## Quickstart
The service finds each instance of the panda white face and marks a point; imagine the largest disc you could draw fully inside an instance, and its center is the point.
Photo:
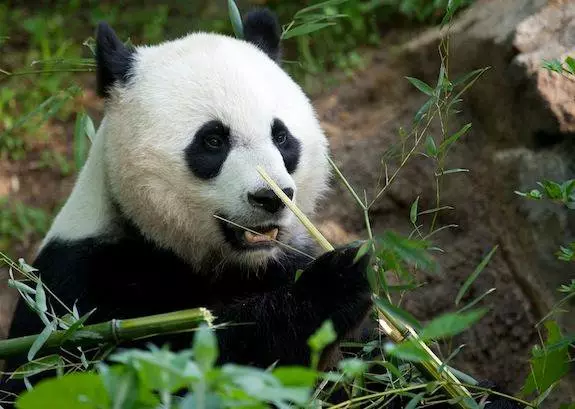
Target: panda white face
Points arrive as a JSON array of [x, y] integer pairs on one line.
[[183, 137]]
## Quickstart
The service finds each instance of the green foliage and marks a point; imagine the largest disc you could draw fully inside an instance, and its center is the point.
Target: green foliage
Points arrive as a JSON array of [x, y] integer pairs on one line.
[[20, 223], [146, 379], [548, 365], [566, 67]]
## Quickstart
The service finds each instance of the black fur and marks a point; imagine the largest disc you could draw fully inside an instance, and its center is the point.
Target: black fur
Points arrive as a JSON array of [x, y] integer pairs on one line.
[[131, 277], [262, 28], [290, 148], [206, 161], [114, 60]]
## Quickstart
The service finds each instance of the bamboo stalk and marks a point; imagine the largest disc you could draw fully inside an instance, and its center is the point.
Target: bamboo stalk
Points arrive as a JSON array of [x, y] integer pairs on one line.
[[396, 330], [113, 331]]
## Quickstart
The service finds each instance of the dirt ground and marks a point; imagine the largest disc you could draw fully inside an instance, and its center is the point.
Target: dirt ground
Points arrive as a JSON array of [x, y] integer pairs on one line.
[[362, 118]]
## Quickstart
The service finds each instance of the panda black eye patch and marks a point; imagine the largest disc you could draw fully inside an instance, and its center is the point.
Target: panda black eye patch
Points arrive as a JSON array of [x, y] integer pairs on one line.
[[209, 149], [287, 144]]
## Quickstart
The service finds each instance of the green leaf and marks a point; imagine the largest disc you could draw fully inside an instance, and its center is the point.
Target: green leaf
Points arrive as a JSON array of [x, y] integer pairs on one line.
[[475, 301], [40, 341], [295, 376], [353, 367], [471, 279], [410, 251], [76, 325], [547, 366], [397, 312], [37, 366], [73, 391], [298, 274], [553, 65], [450, 171], [19, 285], [363, 250], [40, 297], [453, 138], [430, 147], [236, 19], [318, 6], [570, 64], [451, 324], [423, 110], [393, 370], [407, 350], [89, 127], [205, 348], [305, 29], [413, 211], [552, 189], [323, 337], [412, 404], [420, 85], [469, 77]]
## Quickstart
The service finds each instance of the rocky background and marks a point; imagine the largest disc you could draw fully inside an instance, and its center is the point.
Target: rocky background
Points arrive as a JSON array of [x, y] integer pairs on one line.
[[523, 126], [523, 131]]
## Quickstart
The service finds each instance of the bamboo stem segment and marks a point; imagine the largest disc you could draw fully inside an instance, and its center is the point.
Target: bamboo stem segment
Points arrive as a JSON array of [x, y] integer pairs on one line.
[[396, 330], [112, 332]]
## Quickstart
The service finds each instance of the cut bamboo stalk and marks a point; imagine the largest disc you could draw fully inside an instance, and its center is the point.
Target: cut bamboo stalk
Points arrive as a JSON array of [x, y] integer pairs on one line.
[[113, 332], [396, 330]]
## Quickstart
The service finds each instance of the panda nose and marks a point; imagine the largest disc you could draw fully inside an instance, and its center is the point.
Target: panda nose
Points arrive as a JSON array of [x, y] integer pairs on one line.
[[267, 199]]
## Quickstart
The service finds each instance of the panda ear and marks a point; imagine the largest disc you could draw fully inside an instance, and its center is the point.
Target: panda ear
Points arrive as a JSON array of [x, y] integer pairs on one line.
[[261, 27], [113, 60]]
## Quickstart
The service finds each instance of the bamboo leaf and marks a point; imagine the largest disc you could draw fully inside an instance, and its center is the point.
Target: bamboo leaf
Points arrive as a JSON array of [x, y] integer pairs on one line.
[[413, 211], [305, 29], [475, 301], [547, 366], [420, 85], [407, 350], [40, 297], [63, 392], [449, 171], [451, 324], [236, 19], [317, 6], [412, 404], [453, 138], [40, 341], [392, 310], [463, 290], [430, 147], [205, 348], [19, 285], [363, 250], [37, 366]]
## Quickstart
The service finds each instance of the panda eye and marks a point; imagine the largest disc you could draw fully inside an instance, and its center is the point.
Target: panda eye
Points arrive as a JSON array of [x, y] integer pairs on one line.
[[214, 142], [280, 137]]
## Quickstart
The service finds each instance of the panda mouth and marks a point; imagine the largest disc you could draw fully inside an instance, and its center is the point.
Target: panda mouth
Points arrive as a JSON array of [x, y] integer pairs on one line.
[[250, 237], [263, 237]]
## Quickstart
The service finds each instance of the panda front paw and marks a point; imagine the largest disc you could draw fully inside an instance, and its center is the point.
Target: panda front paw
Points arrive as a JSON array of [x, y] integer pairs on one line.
[[336, 285]]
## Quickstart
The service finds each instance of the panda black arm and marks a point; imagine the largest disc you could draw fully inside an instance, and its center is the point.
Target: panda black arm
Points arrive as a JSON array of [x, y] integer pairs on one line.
[[278, 323]]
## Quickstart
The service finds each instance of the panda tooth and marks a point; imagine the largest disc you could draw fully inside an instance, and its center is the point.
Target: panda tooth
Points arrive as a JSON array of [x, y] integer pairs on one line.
[[272, 234]]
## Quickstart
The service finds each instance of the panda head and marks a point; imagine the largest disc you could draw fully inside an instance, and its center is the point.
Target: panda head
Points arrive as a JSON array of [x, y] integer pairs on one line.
[[186, 124]]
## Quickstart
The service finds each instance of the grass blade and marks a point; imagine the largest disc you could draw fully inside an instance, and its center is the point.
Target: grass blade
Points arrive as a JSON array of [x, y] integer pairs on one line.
[[463, 290]]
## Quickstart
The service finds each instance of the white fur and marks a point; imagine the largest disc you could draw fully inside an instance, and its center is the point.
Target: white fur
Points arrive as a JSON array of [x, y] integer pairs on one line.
[[139, 149]]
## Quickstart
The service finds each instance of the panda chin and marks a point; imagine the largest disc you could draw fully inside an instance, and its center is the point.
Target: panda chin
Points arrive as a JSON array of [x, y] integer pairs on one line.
[[260, 237]]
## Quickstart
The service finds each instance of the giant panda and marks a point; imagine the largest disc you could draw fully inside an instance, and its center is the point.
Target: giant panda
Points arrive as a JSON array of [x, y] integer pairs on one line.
[[186, 124]]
